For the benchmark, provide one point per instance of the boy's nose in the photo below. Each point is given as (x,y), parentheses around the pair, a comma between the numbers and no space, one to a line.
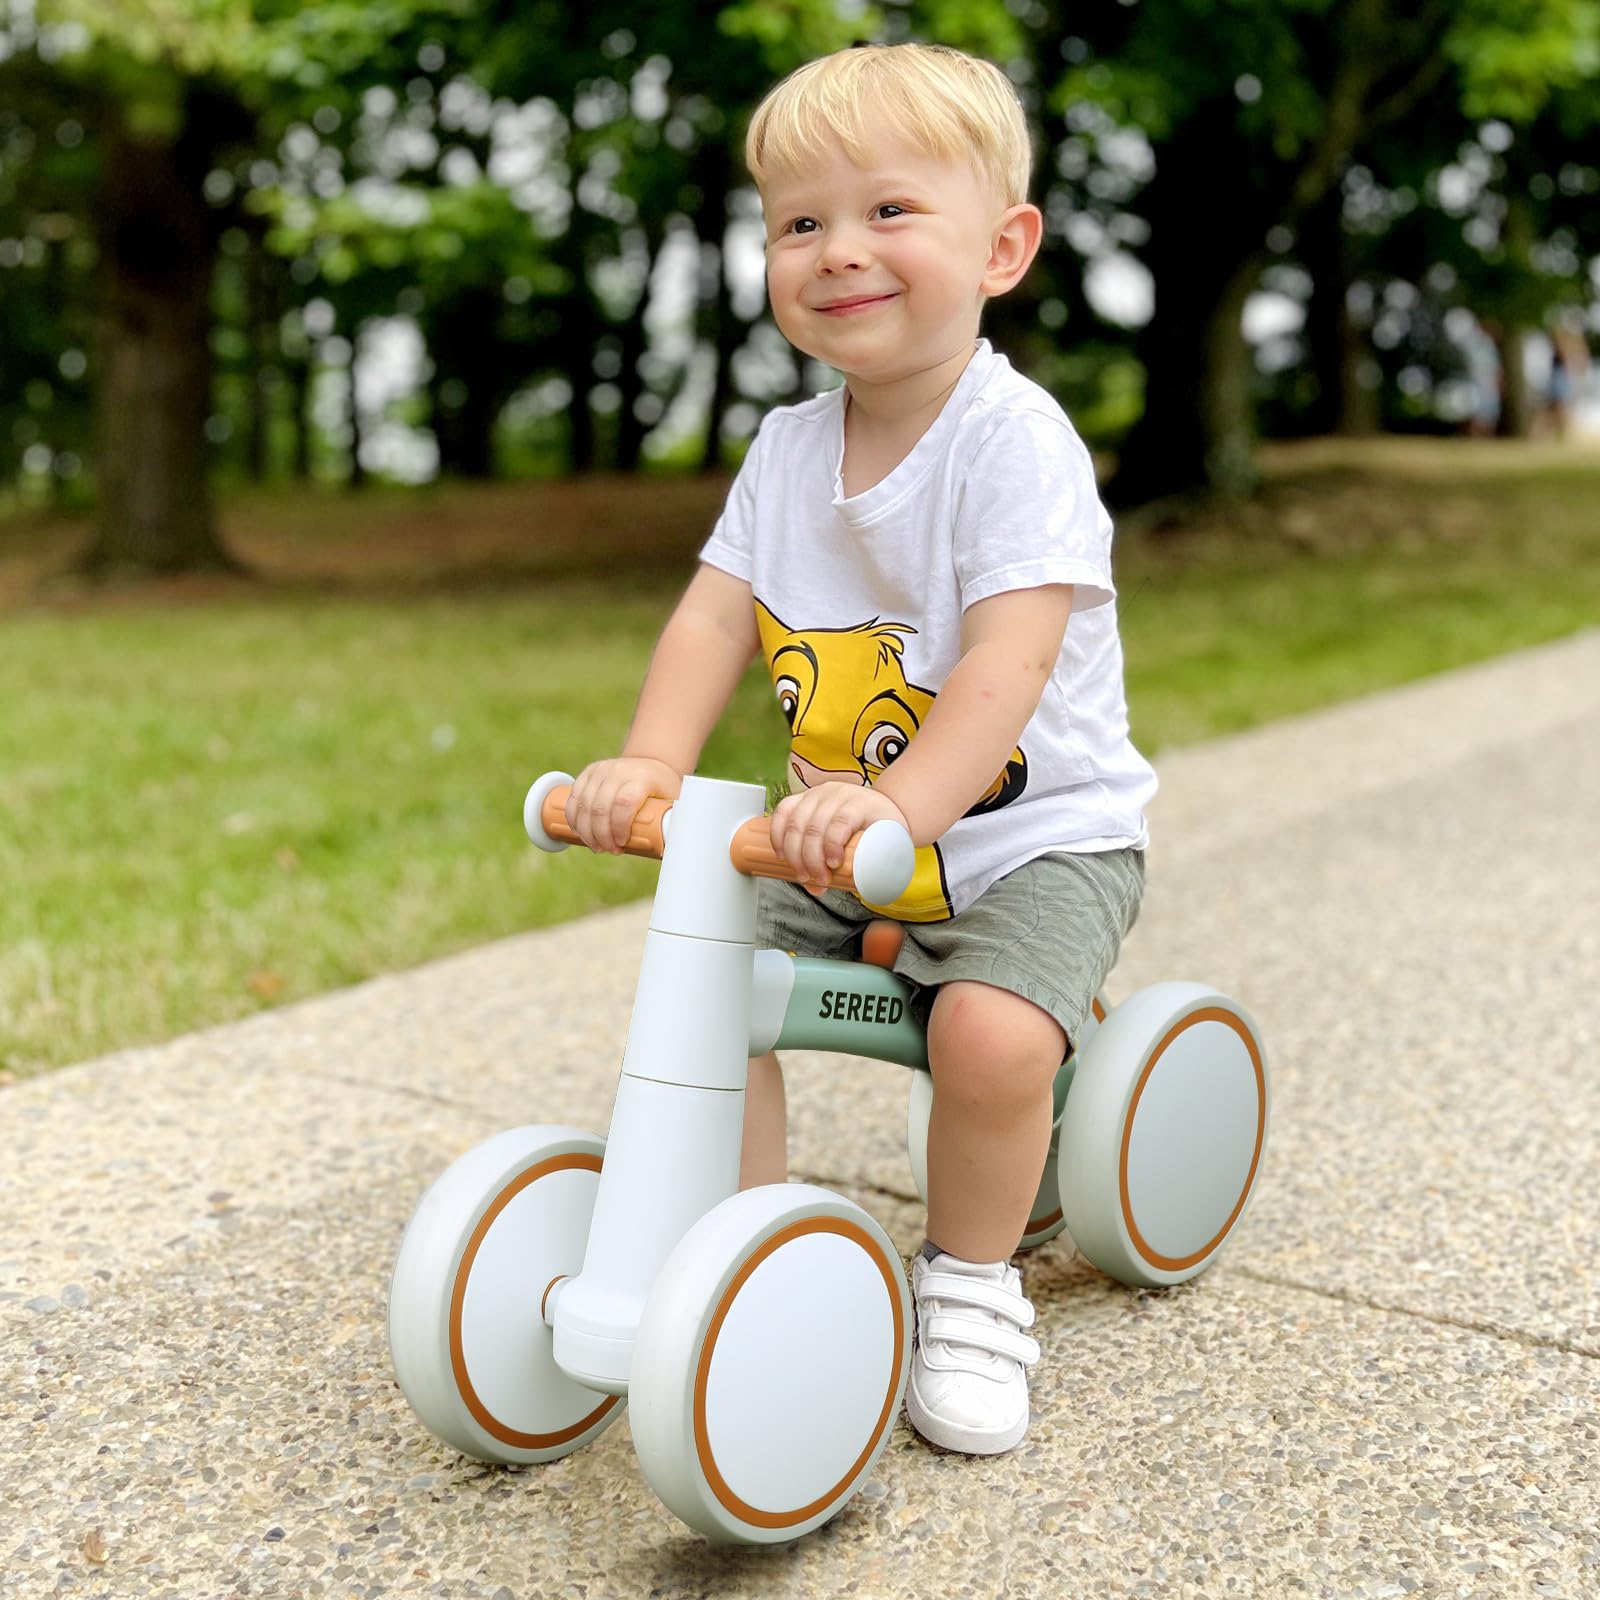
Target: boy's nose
(842,253)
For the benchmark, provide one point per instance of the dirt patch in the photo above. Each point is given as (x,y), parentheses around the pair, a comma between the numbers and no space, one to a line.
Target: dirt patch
(1327,513)
(1324,498)
(596,524)
(1431,459)
(389,540)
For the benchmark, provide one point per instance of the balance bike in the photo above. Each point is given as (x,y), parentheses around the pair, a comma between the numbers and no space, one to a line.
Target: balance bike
(762,1339)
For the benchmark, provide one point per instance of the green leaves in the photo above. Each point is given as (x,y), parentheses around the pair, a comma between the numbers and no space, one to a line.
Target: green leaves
(419,232)
(1512,55)
(791,32)
(189,38)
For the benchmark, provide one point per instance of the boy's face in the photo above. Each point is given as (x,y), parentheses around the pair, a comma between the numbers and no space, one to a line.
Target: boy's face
(880,271)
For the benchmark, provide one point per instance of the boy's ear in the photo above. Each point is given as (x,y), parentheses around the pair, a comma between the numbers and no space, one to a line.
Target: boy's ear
(1015,244)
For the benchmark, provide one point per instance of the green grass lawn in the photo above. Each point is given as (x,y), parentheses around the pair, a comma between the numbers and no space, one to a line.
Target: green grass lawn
(215,798)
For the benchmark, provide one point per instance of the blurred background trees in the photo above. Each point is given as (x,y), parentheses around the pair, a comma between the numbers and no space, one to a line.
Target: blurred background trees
(262,240)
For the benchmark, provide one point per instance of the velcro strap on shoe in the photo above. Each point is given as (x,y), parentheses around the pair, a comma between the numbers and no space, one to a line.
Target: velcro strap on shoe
(950,1329)
(972,1292)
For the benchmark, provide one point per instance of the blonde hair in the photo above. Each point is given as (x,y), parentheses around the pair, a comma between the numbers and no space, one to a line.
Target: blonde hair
(951,105)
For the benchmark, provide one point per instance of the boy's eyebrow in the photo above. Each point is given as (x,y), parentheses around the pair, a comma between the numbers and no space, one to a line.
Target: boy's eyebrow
(802,191)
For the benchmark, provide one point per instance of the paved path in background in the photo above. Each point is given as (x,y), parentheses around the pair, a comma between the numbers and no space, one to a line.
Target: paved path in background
(1387,1386)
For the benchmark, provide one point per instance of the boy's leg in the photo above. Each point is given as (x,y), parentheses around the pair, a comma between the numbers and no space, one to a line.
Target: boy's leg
(994,1057)
(787,918)
(764,1157)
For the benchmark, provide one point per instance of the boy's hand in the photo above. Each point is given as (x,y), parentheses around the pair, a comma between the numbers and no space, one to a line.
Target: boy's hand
(606,797)
(810,830)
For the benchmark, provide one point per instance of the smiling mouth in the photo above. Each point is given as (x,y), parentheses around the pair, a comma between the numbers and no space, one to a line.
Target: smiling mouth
(844,308)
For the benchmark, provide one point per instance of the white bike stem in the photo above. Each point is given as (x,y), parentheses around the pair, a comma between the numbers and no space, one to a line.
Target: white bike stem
(672,1152)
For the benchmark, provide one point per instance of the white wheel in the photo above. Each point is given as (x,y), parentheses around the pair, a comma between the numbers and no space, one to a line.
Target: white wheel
(1045,1219)
(770,1363)
(1163,1133)
(466,1328)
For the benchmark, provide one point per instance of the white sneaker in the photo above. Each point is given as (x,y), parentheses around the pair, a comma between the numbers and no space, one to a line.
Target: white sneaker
(969,1380)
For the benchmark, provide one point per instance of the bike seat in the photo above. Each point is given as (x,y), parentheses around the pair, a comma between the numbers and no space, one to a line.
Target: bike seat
(880,944)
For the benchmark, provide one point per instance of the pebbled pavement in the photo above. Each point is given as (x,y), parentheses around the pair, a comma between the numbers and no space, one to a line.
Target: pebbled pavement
(1387,1386)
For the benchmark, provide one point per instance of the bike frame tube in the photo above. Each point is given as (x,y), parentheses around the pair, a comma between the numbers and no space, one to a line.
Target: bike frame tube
(849,1007)
(672,1152)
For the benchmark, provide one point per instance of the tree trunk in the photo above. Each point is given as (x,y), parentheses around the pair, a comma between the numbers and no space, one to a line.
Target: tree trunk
(580,324)
(1198,425)
(297,367)
(1197,431)
(357,478)
(1516,415)
(1360,381)
(261,303)
(158,252)
(257,426)
(1336,345)
(631,429)
(720,324)
(467,385)
(1516,412)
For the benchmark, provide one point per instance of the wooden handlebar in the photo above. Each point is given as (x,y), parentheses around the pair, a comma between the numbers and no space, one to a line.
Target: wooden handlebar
(750,849)
(644,839)
(753,854)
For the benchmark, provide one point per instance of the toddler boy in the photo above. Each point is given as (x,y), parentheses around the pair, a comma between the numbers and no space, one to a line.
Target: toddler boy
(922,558)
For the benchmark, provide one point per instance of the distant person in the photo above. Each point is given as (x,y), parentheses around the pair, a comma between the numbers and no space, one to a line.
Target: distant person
(1486,378)
(1567,380)
(1558,393)
(923,560)
(1584,391)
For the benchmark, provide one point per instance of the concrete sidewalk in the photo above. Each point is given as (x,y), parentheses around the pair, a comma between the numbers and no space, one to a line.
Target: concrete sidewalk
(1388,1385)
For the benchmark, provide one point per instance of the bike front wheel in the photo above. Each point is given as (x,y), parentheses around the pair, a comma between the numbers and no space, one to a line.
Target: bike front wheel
(467,1335)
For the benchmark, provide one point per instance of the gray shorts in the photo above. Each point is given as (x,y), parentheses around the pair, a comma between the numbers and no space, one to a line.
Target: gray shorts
(1049,931)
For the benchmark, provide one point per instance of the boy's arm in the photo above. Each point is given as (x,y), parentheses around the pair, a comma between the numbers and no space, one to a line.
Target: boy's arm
(1009,646)
(698,661)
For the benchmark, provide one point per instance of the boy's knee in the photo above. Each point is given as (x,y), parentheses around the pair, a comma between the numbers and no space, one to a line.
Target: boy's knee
(989,1046)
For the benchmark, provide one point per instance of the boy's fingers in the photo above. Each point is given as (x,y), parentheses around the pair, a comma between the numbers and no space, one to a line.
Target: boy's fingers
(817,846)
(597,812)
(619,818)
(836,837)
(819,840)
(578,811)
(794,846)
(793,836)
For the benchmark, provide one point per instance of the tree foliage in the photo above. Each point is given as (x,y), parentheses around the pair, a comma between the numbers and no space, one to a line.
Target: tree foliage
(513,181)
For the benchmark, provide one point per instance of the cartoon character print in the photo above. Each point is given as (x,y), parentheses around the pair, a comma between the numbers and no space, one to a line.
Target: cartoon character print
(851,712)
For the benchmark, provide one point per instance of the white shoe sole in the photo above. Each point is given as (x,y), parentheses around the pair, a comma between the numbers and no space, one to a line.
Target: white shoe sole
(956,1436)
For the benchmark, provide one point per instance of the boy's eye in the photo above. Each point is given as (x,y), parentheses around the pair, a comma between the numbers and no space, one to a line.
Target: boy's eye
(890,209)
(804,224)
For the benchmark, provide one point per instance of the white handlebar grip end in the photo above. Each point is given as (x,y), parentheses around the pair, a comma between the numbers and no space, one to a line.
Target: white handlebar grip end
(533,811)
(885,860)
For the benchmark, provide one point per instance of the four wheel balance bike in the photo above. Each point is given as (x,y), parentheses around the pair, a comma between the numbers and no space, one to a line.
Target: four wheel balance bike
(763,1338)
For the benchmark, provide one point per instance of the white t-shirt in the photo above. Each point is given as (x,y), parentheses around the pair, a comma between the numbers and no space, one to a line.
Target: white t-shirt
(859,603)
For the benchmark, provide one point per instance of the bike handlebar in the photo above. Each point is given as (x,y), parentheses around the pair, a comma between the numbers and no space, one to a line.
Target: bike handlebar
(647,837)
(877,864)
